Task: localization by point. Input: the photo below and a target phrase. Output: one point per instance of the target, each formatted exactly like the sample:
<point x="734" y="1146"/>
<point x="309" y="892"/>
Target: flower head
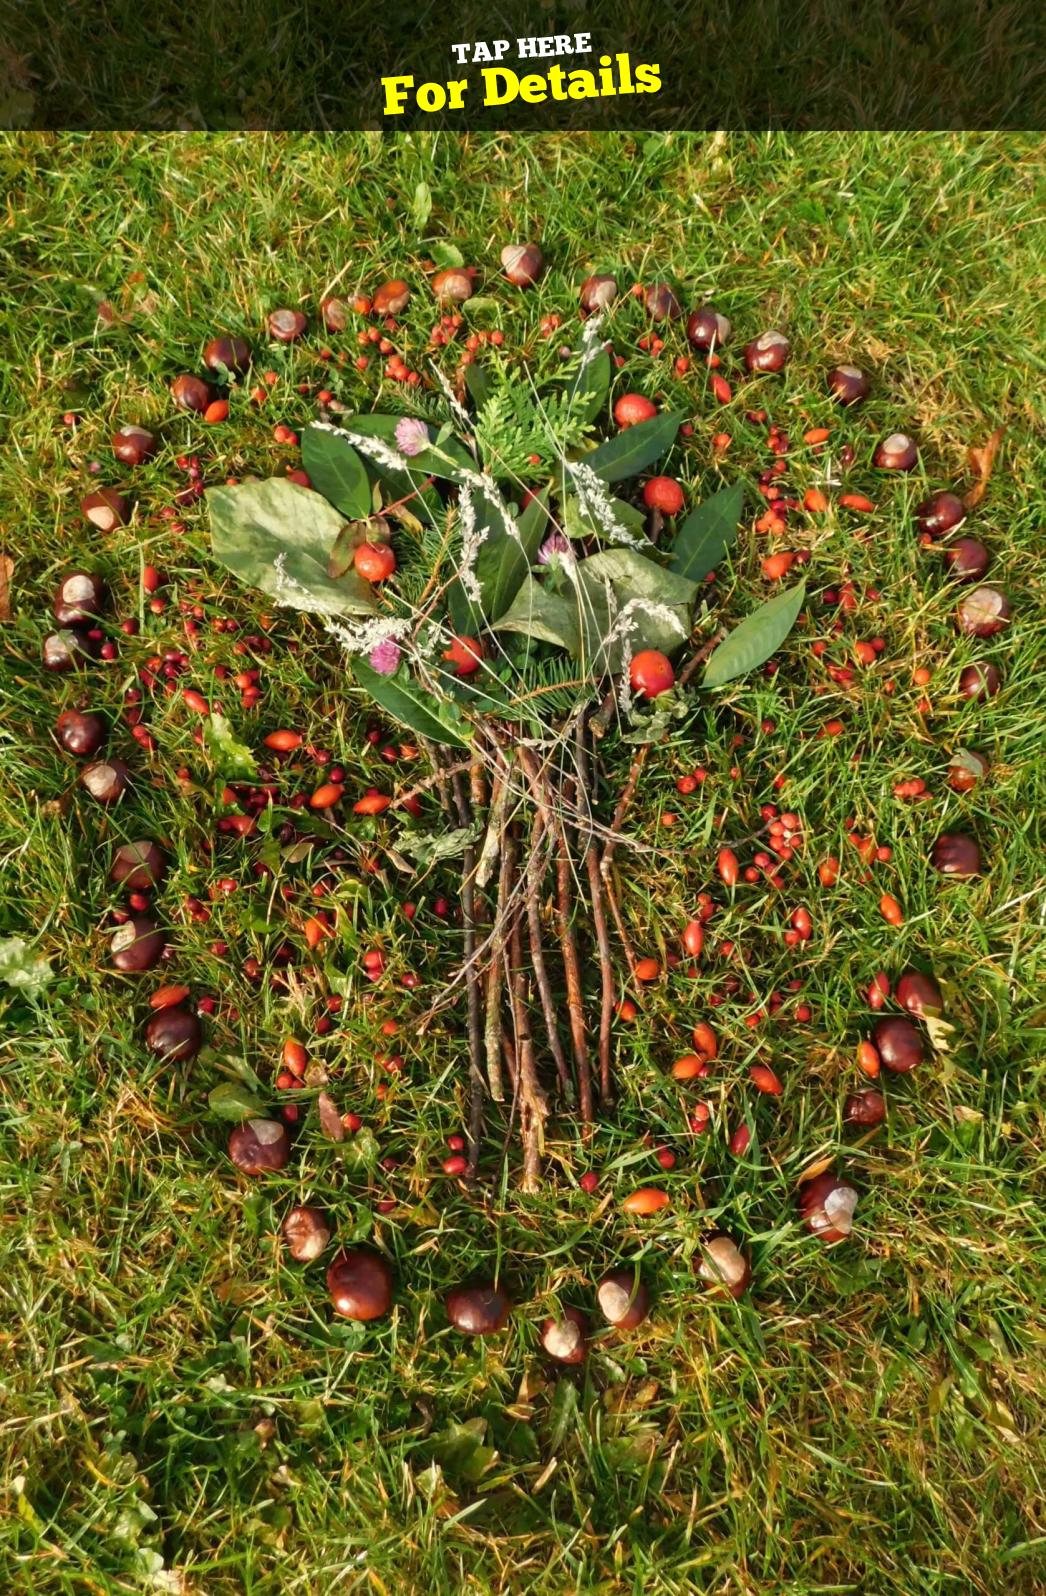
<point x="385" y="657"/>
<point x="412" y="436"/>
<point x="555" y="543"/>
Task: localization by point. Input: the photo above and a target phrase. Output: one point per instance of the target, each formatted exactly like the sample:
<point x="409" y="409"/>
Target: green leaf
<point x="336" y="470"/>
<point x="708" y="532"/>
<point x="576" y="524"/>
<point x="661" y="620"/>
<point x="451" y="459"/>
<point x="758" y="636"/>
<point x="277" y="536"/>
<point x="478" y="384"/>
<point x="502" y="563"/>
<point x="539" y="613"/>
<point x="232" y="1100"/>
<point x="21" y="968"/>
<point x="631" y="451"/>
<point x="231" y="758"/>
<point x="361" y="1150"/>
<point x="587" y="389"/>
<point x="445" y="256"/>
<point x="421" y="205"/>
<point x="410" y="704"/>
<point x="427" y="848"/>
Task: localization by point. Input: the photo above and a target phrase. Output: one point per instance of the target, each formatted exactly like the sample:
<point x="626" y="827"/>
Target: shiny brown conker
<point x="286" y="325"/>
<point x="940" y="514"/>
<point x="967" y="770"/>
<point x="138" y="866"/>
<point x="848" y="385"/>
<point x="360" y="1284"/>
<point x="898" y="1044"/>
<point x="707" y="329"/>
<point x="826" y="1206"/>
<point x="191" y="393"/>
<point x="980" y="681"/>
<point x="722" y="1266"/>
<point x="661" y="303"/>
<point x="967" y="559"/>
<point x="768" y="352"/>
<point x="523" y="264"/>
<point x="391" y="297"/>
<point x="335" y="313"/>
<point x="67" y="650"/>
<point x="957" y="854"/>
<point x="174" y="1035"/>
<point x="865" y="1108"/>
<point x="306" y="1233"/>
<point x="453" y="286"/>
<point x="80" y="733"/>
<point x="106" y="509"/>
<point x="598" y="292"/>
<point x="919" y="994"/>
<point x="259" y="1145"/>
<point x="896" y="453"/>
<point x="623" y="1298"/>
<point x="137" y="945"/>
<point x="107" y="780"/>
<point x="566" y="1338"/>
<point x="983" y="612"/>
<point x="227" y="353"/>
<point x="80" y="599"/>
<point x="134" y="445"/>
<point x="478" y="1310"/>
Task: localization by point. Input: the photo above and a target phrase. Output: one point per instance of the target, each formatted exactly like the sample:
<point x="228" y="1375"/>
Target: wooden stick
<point x="599" y="920"/>
<point x="535" y="875"/>
<point x="475" y="1024"/>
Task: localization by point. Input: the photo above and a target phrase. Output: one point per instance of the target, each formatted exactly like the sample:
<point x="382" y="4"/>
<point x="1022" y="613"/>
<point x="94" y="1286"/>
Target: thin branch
<point x="475" y="1023"/>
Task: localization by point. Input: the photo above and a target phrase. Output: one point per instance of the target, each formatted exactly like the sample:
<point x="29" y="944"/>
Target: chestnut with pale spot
<point x="897" y="453"/>
<point x="80" y="599"/>
<point x="191" y="393"/>
<point x="768" y="352"/>
<point x="137" y="945"/>
<point x="453" y="286"/>
<point x="134" y="445"/>
<point x="286" y="325"/>
<point x="67" y="650"/>
<point x="661" y="303"/>
<point x="826" y="1206"/>
<point x="138" y="866"/>
<point x="523" y="264"/>
<point x="957" y="854"/>
<point x="391" y="297"/>
<point x="722" y="1266"/>
<point x="566" y="1339"/>
<point x="848" y="385"/>
<point x="978" y="682"/>
<point x="967" y="770"/>
<point x="598" y="292"/>
<point x="106" y="509"/>
<point x="623" y="1299"/>
<point x="106" y="780"/>
<point x="706" y="329"/>
<point x="260" y="1146"/>
<point x="479" y="1310"/>
<point x="174" y="1034"/>
<point x="306" y="1233"/>
<point x="983" y="612"/>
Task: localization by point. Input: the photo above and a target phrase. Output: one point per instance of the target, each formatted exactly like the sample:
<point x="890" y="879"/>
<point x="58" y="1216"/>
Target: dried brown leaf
<point x="7" y="570"/>
<point x="982" y="464"/>
<point x="330" y="1118"/>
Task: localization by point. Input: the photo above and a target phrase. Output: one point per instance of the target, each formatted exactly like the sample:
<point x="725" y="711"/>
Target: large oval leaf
<point x="336" y="470"/>
<point x="708" y="532"/>
<point x="757" y="637"/>
<point x="278" y="536"/>
<point x="410" y="704"/>
<point x="631" y="451"/>
<point x="502" y="563"/>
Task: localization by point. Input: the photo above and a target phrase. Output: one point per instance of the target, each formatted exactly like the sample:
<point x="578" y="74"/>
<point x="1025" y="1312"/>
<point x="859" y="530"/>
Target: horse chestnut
<point x="107" y="780"/>
<point x="623" y="1299"/>
<point x="259" y="1145"/>
<point x="896" y="453"/>
<point x="980" y="681"/>
<point x="967" y="559"/>
<point x="523" y="264"/>
<point x="919" y="994"/>
<point x="898" y="1043"/>
<point x="826" y="1206"/>
<point x="966" y="770"/>
<point x="137" y="945"/>
<point x="453" y="286"/>
<point x="956" y="854"/>
<point x="706" y="329"/>
<point x="661" y="303"/>
<point x="80" y="734"/>
<point x="191" y="393"/>
<point x="133" y="445"/>
<point x="391" y="297"/>
<point x="174" y="1035"/>
<point x="229" y="354"/>
<point x="67" y="650"/>
<point x="723" y="1266"/>
<point x="478" y="1310"/>
<point x="768" y="352"/>
<point x="106" y="509"/>
<point x="80" y="599"/>
<point x="138" y="866"/>
<point x="865" y="1108"/>
<point x="306" y="1233"/>
<point x="360" y="1284"/>
<point x="983" y="612"/>
<point x="848" y="385"/>
<point x="939" y="514"/>
<point x="598" y="292"/>
<point x="286" y="325"/>
<point x="566" y="1339"/>
<point x="335" y="314"/>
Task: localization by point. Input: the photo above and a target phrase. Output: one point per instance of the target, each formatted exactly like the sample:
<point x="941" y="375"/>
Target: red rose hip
<point x="650" y="673"/>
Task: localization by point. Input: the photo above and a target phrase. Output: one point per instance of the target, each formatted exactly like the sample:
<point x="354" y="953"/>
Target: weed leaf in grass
<point x="409" y="703"/>
<point x="587" y="388"/>
<point x="539" y="613"/>
<point x="758" y="636"/>
<point x="446" y="256"/>
<point x="231" y="757"/>
<point x="23" y="969"/>
<point x="502" y="563"/>
<point x="336" y="470"/>
<point x="277" y="536"/>
<point x="421" y="204"/>
<point x="427" y="848"/>
<point x="631" y="451"/>
<point x="478" y="384"/>
<point x="233" y="1100"/>
<point x="708" y="533"/>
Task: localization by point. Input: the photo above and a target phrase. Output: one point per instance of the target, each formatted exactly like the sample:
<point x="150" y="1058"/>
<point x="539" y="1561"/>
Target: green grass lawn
<point x="179" y="1411"/>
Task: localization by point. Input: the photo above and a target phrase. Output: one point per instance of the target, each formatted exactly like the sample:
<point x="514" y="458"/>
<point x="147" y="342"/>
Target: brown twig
<point x="536" y="862"/>
<point x="599" y="920"/>
<point x="493" y="1037"/>
<point x="627" y="794"/>
<point x="532" y="1106"/>
<point x="475" y="1023"/>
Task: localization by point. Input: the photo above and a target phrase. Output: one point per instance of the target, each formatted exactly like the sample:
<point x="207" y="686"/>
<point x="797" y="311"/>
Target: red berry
<point x="465" y="654"/>
<point x="632" y="408"/>
<point x="375" y="562"/>
<point x="651" y="673"/>
<point x="664" y="494"/>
